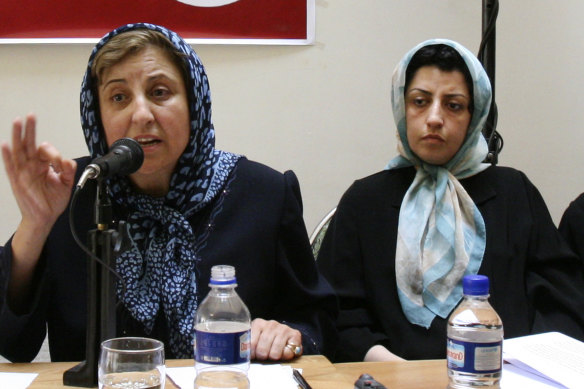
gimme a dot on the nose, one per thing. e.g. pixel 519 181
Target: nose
pixel 142 111
pixel 435 117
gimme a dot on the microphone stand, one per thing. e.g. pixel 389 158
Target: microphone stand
pixel 490 10
pixel 490 35
pixel 105 244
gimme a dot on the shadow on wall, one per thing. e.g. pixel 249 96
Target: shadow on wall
pixel 43 355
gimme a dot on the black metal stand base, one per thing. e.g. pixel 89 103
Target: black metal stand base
pixel 101 313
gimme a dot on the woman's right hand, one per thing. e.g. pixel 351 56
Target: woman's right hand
pixel 41 181
pixel 40 178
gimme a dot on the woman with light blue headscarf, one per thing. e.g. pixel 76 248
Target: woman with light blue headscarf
pixel 402 239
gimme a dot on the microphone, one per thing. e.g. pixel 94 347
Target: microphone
pixel 125 157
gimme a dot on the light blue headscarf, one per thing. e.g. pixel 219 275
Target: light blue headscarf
pixel 441 233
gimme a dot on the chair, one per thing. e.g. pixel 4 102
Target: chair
pixel 319 232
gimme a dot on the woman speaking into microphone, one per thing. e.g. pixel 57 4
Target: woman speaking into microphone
pixel 188 207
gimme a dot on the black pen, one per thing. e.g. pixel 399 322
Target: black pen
pixel 301 381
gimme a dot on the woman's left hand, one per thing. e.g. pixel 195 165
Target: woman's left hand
pixel 274 341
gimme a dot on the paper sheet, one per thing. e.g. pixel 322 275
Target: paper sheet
pixel 514 377
pixel 553 355
pixel 260 376
pixel 16 380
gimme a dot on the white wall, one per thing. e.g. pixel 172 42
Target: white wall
pixel 324 111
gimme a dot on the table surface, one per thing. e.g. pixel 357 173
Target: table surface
pixel 317 370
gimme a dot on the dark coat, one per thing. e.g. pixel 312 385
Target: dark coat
pixel 536 281
pixel 572 226
pixel 255 225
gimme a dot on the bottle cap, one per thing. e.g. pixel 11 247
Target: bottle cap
pixel 475 285
pixel 222 275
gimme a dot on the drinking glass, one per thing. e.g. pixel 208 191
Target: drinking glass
pixel 131 363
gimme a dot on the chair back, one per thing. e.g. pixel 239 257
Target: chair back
pixel 320 231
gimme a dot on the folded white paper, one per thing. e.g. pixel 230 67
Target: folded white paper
pixel 16 380
pixel 552 355
pixel 515 377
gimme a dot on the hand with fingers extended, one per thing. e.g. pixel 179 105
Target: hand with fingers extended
pixel 41 181
pixel 271 340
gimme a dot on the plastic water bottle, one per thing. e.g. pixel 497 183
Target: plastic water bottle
pixel 222 335
pixel 475 338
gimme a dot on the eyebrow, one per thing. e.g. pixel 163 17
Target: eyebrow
pixel 116 80
pixel 150 79
pixel 425 92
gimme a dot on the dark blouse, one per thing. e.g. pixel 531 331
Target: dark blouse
pixel 572 226
pixel 255 225
pixel 536 280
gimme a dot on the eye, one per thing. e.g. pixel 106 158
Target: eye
pixel 455 106
pixel 160 92
pixel 118 97
pixel 418 101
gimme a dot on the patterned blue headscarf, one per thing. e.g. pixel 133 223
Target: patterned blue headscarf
pixel 160 269
pixel 441 233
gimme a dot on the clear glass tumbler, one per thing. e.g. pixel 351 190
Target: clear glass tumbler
pixel 131 363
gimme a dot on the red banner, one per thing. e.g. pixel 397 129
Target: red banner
pixel 192 19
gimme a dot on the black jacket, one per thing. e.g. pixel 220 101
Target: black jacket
pixel 536 281
pixel 256 225
pixel 572 226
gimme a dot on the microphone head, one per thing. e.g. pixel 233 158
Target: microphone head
pixel 132 155
pixel 124 157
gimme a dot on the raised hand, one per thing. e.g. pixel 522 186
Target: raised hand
pixel 41 181
pixel 40 178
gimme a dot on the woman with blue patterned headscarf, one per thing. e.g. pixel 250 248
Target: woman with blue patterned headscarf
pixel 402 239
pixel 189 207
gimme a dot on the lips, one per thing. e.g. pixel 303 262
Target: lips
pixel 433 137
pixel 147 141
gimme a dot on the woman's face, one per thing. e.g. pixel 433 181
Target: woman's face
pixel 144 97
pixel 437 114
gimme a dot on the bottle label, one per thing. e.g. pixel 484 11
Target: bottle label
pixel 470 357
pixel 226 348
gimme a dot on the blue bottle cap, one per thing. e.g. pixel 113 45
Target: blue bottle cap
pixel 475 285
